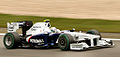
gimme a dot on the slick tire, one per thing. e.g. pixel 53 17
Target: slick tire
pixel 94 32
pixel 11 40
pixel 64 41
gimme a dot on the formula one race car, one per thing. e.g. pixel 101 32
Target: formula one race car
pixel 41 34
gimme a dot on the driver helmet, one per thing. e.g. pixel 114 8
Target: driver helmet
pixel 47 20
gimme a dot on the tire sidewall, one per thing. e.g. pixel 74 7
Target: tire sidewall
pixel 67 42
pixel 94 32
pixel 12 44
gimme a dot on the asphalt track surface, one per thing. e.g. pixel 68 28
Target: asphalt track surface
pixel 22 52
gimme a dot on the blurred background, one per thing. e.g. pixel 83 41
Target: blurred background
pixel 102 9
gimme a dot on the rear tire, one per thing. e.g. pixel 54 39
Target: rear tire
pixel 11 40
pixel 64 41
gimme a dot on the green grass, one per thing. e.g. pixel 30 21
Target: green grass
pixel 67 23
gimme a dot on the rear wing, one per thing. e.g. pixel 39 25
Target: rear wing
pixel 14 26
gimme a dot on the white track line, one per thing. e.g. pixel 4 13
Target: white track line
pixel 111 38
pixel 2 34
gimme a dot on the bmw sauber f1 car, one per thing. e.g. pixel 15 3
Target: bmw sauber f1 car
pixel 41 34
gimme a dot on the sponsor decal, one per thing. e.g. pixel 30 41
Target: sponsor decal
pixel 77 46
pixel 36 40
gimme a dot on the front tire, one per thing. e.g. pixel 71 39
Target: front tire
pixel 64 41
pixel 94 32
pixel 11 40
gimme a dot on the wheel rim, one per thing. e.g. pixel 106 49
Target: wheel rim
pixel 8 40
pixel 62 42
